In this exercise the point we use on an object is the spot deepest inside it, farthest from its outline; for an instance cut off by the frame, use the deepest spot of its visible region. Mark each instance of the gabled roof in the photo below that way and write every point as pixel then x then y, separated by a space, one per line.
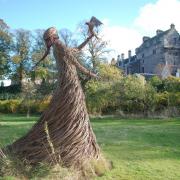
pixel 156 37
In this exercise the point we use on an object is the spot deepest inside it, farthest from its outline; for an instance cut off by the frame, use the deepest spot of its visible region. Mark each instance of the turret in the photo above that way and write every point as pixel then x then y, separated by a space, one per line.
pixel 122 56
pixel 172 26
pixel 129 56
pixel 145 38
pixel 158 31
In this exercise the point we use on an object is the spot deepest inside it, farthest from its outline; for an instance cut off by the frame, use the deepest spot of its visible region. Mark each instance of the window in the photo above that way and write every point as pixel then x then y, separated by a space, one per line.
pixel 142 69
pixel 176 53
pixel 142 55
pixel 154 51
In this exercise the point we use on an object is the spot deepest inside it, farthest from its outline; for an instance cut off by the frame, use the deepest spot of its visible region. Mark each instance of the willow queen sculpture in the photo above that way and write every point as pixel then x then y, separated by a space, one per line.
pixel 63 133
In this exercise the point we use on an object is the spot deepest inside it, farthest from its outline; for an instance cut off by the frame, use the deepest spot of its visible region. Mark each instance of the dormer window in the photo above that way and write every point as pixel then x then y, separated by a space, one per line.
pixel 154 51
pixel 176 53
pixel 142 69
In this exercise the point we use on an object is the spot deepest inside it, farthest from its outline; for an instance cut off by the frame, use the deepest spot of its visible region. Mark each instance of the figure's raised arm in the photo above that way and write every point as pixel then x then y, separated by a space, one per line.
pixel 91 32
pixel 82 68
pixel 94 22
pixel 85 42
pixel 72 57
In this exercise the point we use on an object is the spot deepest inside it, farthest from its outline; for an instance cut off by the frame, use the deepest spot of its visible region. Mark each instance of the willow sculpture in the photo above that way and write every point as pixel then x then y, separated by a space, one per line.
pixel 63 133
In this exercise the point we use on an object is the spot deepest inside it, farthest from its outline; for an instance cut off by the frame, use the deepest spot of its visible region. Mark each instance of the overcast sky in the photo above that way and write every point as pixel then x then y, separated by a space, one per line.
pixel 125 22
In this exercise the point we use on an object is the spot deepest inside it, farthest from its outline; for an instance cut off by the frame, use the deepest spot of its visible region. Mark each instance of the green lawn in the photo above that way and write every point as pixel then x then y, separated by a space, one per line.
pixel 139 148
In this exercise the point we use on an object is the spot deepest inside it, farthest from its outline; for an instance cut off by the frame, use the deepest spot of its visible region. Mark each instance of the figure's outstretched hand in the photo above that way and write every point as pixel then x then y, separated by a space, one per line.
pixel 94 22
pixel 98 77
pixel 95 75
pixel 90 29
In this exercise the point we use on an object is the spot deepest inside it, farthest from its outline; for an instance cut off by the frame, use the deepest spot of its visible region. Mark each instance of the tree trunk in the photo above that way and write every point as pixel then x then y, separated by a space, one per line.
pixel 28 111
pixel 63 133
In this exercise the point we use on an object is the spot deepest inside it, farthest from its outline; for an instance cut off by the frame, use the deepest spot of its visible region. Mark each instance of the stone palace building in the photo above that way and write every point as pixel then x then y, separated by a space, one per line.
pixel 154 54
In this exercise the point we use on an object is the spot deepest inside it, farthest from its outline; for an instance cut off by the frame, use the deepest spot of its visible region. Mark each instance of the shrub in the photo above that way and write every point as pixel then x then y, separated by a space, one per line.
pixel 43 104
pixel 174 99
pixel 162 100
pixel 19 106
pixel 13 89
pixel 172 84
pixel 101 96
pixel 130 94
pixel 97 96
pixel 157 83
pixel 136 95
pixel 167 99
pixel 10 106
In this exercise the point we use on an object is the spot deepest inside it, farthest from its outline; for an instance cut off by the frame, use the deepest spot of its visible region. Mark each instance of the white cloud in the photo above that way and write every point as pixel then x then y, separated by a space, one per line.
pixel 5 82
pixel 121 39
pixel 152 16
pixel 158 15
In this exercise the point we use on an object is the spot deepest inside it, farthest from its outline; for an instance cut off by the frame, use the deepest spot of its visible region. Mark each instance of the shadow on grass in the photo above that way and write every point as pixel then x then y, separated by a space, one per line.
pixel 11 132
pixel 141 121
pixel 120 138
pixel 17 118
pixel 139 139
pixel 138 152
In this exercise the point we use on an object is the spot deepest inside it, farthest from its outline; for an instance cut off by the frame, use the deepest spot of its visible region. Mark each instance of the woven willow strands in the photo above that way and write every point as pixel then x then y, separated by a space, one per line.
pixel 63 134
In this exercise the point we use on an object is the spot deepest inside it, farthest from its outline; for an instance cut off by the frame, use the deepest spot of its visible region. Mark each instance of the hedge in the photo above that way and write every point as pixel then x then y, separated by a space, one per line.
pixel 20 106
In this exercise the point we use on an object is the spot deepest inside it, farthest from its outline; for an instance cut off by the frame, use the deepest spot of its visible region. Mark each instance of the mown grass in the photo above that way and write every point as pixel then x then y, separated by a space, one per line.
pixel 139 148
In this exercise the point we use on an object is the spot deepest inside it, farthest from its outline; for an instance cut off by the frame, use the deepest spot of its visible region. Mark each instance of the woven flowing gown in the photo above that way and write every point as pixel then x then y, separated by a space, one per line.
pixel 63 133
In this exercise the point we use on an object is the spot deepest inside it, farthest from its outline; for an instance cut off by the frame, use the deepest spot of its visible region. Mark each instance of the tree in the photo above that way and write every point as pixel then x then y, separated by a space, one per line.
pixel 164 70
pixel 94 54
pixel 45 74
pixel 96 50
pixel 102 96
pixel 157 83
pixel 2 84
pixel 5 49
pixel 67 37
pixel 172 84
pixel 135 94
pixel 21 58
pixel 28 91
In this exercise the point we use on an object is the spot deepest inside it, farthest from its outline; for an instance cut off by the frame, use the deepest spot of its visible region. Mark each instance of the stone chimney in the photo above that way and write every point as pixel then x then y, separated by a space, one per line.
pixel 172 26
pixel 129 54
pixel 158 31
pixel 118 58
pixel 113 62
pixel 137 50
pixel 122 57
pixel 145 38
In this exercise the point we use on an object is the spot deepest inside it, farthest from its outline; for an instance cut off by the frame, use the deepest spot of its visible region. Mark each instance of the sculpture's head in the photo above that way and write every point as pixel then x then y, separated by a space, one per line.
pixel 50 35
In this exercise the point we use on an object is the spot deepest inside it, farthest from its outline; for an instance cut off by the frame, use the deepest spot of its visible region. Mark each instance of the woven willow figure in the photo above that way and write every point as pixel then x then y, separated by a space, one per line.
pixel 63 133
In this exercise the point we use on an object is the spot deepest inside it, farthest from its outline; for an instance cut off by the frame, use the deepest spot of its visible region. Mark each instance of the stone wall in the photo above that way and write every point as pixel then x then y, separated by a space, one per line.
pixel 155 52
